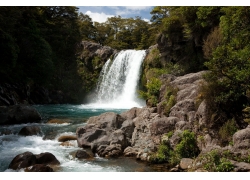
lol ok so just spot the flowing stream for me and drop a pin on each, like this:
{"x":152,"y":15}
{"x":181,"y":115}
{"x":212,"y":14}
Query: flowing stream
{"x":116,"y":92}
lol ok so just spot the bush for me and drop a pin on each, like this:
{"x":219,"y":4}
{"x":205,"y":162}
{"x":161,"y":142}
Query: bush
{"x":162,"y":154}
{"x":187,"y":148}
{"x":227,"y":130}
{"x":216,"y":162}
{"x":151,"y":95}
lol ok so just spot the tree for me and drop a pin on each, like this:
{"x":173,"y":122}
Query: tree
{"x":230,"y":63}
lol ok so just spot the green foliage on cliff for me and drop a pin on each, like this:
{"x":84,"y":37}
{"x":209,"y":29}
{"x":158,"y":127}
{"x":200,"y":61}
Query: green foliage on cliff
{"x":215,"y":161}
{"x":186,"y":148}
{"x":152,"y":93}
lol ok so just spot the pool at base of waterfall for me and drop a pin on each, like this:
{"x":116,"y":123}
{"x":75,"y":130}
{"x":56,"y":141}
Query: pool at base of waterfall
{"x":74,"y":115}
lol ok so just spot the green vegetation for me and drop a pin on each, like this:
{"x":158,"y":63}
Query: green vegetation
{"x":152,"y":93}
{"x":186,"y":148}
{"x":214,"y":161}
{"x":227,"y":130}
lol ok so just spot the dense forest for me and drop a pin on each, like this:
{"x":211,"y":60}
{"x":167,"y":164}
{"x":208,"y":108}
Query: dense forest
{"x":40,"y":46}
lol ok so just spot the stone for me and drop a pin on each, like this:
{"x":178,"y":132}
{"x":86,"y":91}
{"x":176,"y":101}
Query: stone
{"x":46,"y":158}
{"x":82,"y":154}
{"x":30,"y":131}
{"x":64,"y":138}
{"x":163,"y":125}
{"x":241,"y":167}
{"x":186,"y":163}
{"x":241,"y":139}
{"x":23,"y":160}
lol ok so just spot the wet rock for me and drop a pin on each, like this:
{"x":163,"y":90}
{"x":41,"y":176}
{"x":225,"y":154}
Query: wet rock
{"x":30,"y":131}
{"x":82,"y":154}
{"x":23,"y":160}
{"x":64,"y":138}
{"x":39,"y":168}
{"x":46,"y":158}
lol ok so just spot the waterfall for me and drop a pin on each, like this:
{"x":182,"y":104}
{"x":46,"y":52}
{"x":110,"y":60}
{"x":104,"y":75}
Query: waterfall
{"x":118,"y":81}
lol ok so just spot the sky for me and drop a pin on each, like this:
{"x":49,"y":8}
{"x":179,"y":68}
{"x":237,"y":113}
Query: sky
{"x":101,"y":13}
{"x":100,"y":10}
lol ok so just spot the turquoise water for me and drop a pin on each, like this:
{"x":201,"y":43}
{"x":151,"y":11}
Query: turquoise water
{"x":75,"y":115}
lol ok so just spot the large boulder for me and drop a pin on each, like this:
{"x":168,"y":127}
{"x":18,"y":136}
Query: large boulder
{"x":108,"y":121}
{"x":163,"y":125}
{"x":88,"y":134}
{"x":47,"y":159}
{"x":30,"y":131}
{"x":38,"y":162}
{"x":19,"y":114}
{"x":23,"y":160}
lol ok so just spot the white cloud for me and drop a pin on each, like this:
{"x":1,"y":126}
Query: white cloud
{"x":99,"y":17}
{"x":138,"y":8}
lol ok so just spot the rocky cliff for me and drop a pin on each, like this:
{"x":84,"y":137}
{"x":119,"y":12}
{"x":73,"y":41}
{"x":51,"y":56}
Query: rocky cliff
{"x":140,"y":131}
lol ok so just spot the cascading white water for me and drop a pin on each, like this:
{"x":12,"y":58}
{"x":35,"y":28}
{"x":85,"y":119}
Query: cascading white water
{"x":117,"y":86}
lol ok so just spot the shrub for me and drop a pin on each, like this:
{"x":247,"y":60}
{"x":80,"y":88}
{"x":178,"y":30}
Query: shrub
{"x":217,"y":162}
{"x":162,"y":154}
{"x":188,"y":146}
{"x":227,"y":130}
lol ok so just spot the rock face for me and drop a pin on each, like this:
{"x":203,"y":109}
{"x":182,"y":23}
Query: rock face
{"x":13,"y":94}
{"x":34,"y":163}
{"x":18,"y":114}
{"x":241,"y":140}
{"x":138,"y":131}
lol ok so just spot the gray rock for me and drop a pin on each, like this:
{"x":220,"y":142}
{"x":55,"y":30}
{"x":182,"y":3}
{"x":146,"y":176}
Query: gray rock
{"x":108,"y":121}
{"x":241,"y":139}
{"x":163,"y":125}
{"x":241,"y":167}
{"x":128,"y":128}
{"x":186,"y":163}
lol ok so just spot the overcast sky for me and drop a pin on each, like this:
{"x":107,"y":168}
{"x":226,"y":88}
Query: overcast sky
{"x":101,"y":13}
